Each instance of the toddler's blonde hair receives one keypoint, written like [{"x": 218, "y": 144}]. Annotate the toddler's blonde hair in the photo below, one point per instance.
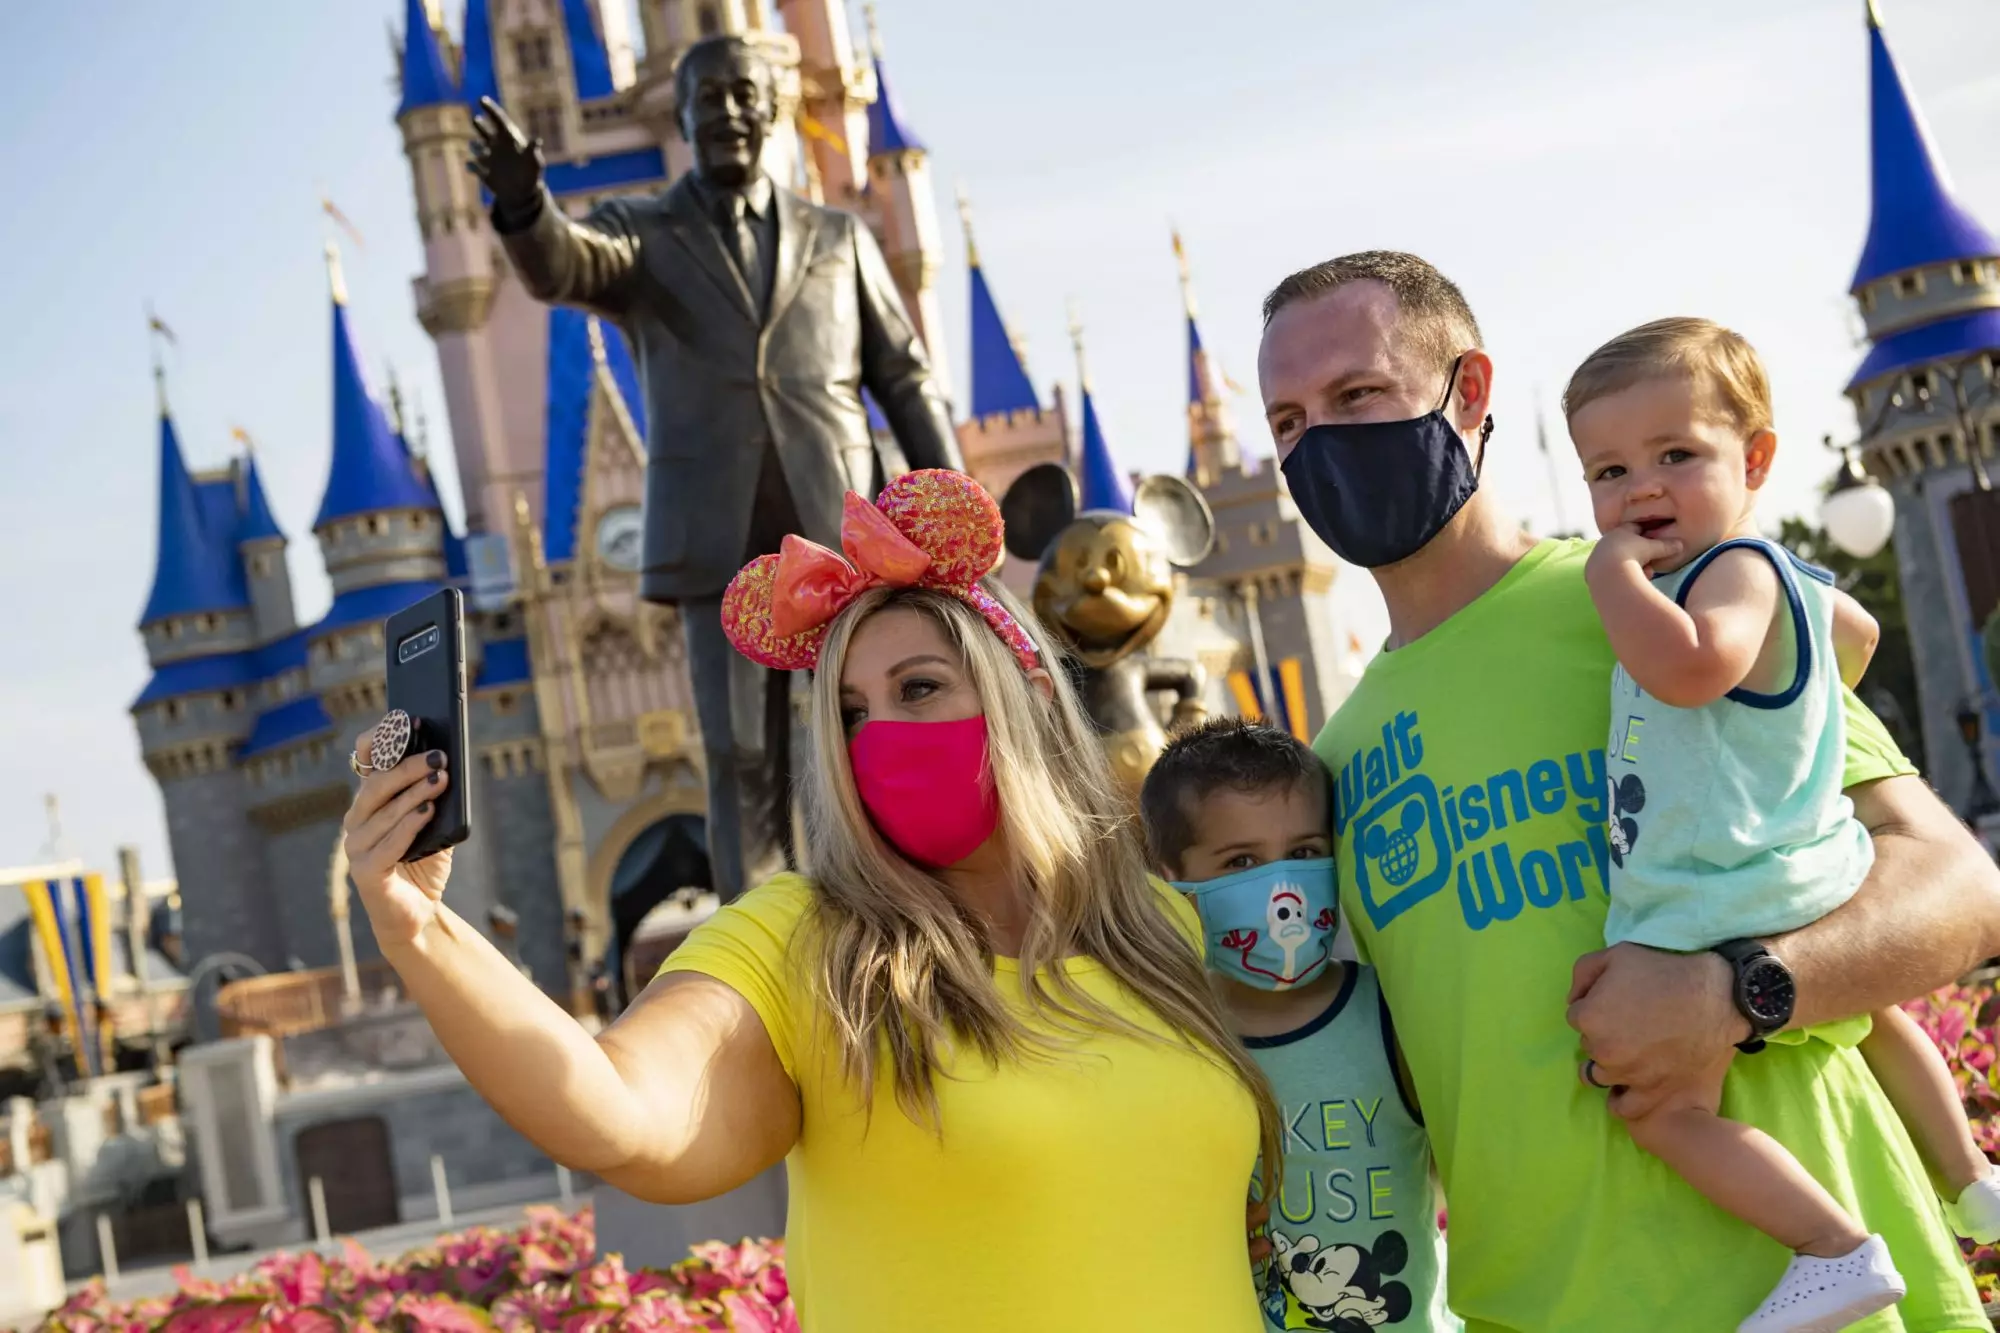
[{"x": 1720, "y": 361}]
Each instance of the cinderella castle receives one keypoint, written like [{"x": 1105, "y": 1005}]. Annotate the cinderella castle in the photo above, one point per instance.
[{"x": 587, "y": 795}]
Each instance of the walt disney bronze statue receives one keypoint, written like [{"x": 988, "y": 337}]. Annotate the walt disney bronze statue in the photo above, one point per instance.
[{"x": 757, "y": 318}]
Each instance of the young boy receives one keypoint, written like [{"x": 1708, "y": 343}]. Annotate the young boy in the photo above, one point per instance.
[
  {"x": 1237, "y": 816},
  {"x": 1728, "y": 825}
]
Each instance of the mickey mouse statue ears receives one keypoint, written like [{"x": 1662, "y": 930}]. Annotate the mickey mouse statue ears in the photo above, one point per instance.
[{"x": 1044, "y": 500}]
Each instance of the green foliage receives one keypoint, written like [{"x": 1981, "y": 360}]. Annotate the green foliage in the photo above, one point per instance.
[{"x": 1890, "y": 687}]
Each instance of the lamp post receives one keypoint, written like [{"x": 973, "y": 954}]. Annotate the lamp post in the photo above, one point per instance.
[{"x": 1858, "y": 513}]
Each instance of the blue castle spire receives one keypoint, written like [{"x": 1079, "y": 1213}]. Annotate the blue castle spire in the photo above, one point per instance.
[
  {"x": 886, "y": 131},
  {"x": 426, "y": 80},
  {"x": 259, "y": 523},
  {"x": 588, "y": 58},
  {"x": 192, "y": 567},
  {"x": 371, "y": 470},
  {"x": 1000, "y": 383},
  {"x": 1102, "y": 484},
  {"x": 1915, "y": 220},
  {"x": 477, "y": 78}
]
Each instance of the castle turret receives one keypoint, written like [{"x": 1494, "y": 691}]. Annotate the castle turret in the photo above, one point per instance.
[
  {"x": 1212, "y": 448},
  {"x": 1928, "y": 400},
  {"x": 196, "y": 710},
  {"x": 833, "y": 99},
  {"x": 1007, "y": 430},
  {"x": 260, "y": 544},
  {"x": 379, "y": 528},
  {"x": 899, "y": 183}
]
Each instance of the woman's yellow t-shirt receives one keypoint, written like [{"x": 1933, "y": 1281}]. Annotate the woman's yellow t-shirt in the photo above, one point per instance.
[{"x": 1100, "y": 1189}]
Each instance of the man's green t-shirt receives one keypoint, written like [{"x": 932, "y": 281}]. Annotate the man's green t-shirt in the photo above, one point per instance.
[{"x": 1469, "y": 809}]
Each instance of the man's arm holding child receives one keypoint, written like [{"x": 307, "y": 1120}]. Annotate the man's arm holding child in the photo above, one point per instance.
[{"x": 1928, "y": 912}]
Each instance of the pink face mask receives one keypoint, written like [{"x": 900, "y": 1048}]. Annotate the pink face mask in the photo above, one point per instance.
[{"x": 927, "y": 786}]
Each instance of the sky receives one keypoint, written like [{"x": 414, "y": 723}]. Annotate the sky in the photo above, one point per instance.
[{"x": 1577, "y": 167}]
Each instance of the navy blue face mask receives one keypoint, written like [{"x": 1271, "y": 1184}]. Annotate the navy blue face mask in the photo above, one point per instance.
[{"x": 1378, "y": 491}]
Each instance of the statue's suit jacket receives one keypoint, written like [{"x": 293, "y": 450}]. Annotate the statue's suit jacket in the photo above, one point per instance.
[{"x": 723, "y": 386}]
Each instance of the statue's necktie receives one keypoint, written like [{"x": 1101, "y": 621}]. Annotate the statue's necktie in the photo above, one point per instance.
[{"x": 741, "y": 236}]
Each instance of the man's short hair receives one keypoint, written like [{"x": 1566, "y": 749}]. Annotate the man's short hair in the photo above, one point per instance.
[
  {"x": 1719, "y": 361},
  {"x": 1433, "y": 310},
  {"x": 705, "y": 50},
  {"x": 1224, "y": 752}
]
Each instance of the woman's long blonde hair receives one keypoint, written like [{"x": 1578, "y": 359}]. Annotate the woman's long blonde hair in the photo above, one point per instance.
[{"x": 899, "y": 964}]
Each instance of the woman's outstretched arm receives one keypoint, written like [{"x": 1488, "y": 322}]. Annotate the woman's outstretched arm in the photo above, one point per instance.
[{"x": 681, "y": 1099}]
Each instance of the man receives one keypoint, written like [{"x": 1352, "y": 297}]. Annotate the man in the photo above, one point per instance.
[
  {"x": 1470, "y": 813},
  {"x": 757, "y": 319}
]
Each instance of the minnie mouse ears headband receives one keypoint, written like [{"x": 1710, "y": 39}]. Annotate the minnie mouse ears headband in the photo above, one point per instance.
[{"x": 933, "y": 529}]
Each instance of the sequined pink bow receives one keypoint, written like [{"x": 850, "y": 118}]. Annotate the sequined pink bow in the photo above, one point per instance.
[
  {"x": 934, "y": 529},
  {"x": 813, "y": 584}
]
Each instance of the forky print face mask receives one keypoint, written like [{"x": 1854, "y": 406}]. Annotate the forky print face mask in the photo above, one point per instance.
[{"x": 1270, "y": 926}]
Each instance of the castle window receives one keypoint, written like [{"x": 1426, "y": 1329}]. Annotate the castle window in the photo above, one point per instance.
[
  {"x": 1920, "y": 384},
  {"x": 1867, "y": 300},
  {"x": 173, "y": 710},
  {"x": 1965, "y": 275},
  {"x": 377, "y": 525},
  {"x": 707, "y": 21},
  {"x": 172, "y": 629},
  {"x": 532, "y": 53},
  {"x": 1910, "y": 284},
  {"x": 204, "y": 624},
  {"x": 229, "y": 701},
  {"x": 545, "y": 122},
  {"x": 504, "y": 702},
  {"x": 419, "y": 521}
]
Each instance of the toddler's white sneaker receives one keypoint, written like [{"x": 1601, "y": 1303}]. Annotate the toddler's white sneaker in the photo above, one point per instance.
[
  {"x": 1975, "y": 1214},
  {"x": 1824, "y": 1295}
]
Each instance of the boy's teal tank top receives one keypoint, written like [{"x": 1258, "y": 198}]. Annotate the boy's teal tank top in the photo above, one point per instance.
[
  {"x": 1727, "y": 821},
  {"x": 1354, "y": 1234}
]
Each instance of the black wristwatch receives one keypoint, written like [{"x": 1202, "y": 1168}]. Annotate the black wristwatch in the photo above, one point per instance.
[{"x": 1764, "y": 991}]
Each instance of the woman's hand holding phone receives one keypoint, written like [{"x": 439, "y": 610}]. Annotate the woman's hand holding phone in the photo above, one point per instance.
[{"x": 401, "y": 897}]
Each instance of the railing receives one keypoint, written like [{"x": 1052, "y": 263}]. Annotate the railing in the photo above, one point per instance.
[{"x": 283, "y": 1003}]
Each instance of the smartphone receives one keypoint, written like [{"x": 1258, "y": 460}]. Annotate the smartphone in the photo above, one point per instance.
[{"x": 426, "y": 645}]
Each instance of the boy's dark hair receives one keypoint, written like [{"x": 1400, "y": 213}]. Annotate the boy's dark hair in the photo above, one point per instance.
[{"x": 1224, "y": 752}]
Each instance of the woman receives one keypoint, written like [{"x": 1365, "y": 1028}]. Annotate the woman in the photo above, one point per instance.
[{"x": 975, "y": 1030}]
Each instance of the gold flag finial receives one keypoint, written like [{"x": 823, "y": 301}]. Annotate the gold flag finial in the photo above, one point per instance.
[
  {"x": 874, "y": 31},
  {"x": 334, "y": 281},
  {"x": 1874, "y": 16},
  {"x": 965, "y": 221},
  {"x": 1187, "y": 275}
]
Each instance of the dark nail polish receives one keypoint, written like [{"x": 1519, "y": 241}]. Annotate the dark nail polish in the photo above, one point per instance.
[
  {"x": 424, "y": 809},
  {"x": 434, "y": 779},
  {"x": 435, "y": 758}
]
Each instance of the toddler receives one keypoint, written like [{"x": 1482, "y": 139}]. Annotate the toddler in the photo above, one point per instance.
[
  {"x": 1728, "y": 825},
  {"x": 1238, "y": 816}
]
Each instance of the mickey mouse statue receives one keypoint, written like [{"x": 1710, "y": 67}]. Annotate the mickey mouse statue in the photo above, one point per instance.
[{"x": 1105, "y": 584}]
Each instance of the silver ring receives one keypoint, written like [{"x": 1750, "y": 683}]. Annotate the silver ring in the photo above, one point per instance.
[
  {"x": 1590, "y": 1075},
  {"x": 390, "y": 742},
  {"x": 361, "y": 770}
]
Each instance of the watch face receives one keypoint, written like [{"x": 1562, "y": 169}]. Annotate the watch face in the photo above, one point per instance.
[
  {"x": 1768, "y": 992},
  {"x": 621, "y": 537}
]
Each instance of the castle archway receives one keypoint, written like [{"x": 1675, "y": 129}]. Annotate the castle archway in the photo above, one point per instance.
[{"x": 655, "y": 850}]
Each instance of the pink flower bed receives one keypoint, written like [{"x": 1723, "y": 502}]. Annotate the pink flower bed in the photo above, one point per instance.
[
  {"x": 1961, "y": 1020},
  {"x": 546, "y": 1277}
]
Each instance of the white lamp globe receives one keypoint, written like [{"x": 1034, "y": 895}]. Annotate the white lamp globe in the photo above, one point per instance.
[{"x": 1858, "y": 513}]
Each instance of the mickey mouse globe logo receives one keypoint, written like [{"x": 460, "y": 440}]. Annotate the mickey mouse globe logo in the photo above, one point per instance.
[{"x": 1396, "y": 850}]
